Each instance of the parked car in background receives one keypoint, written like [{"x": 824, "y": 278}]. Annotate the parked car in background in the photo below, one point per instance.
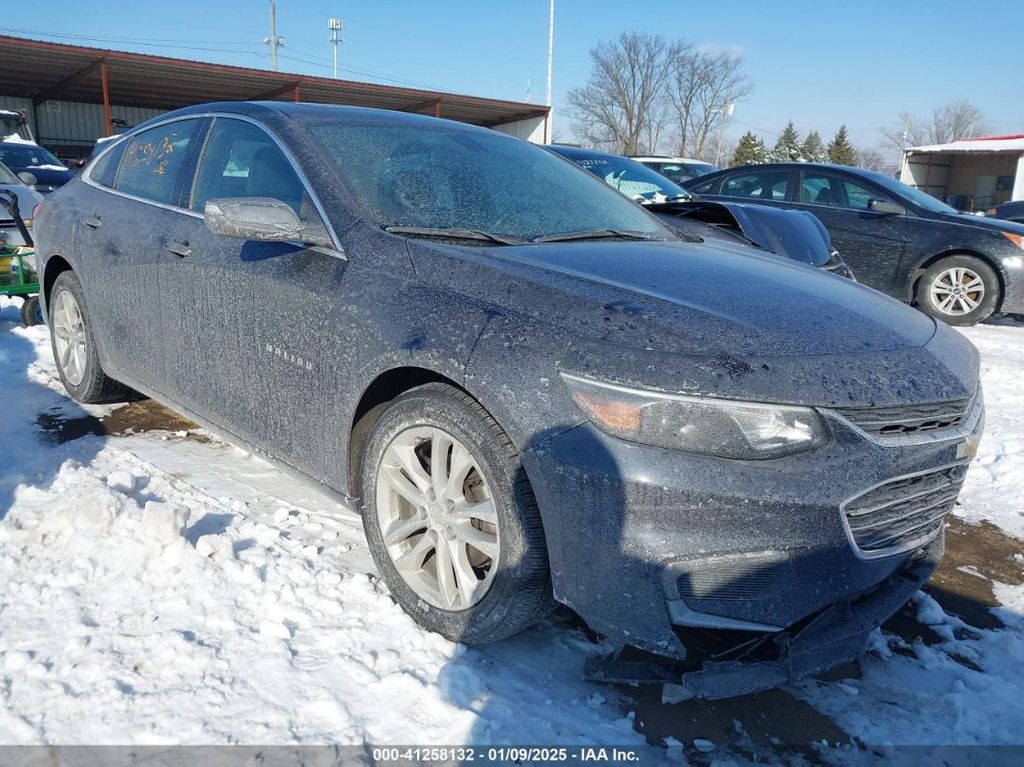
[
  {"x": 10, "y": 233},
  {"x": 906, "y": 243},
  {"x": 44, "y": 171},
  {"x": 678, "y": 169},
  {"x": 533, "y": 389},
  {"x": 1008, "y": 211},
  {"x": 792, "y": 234}
]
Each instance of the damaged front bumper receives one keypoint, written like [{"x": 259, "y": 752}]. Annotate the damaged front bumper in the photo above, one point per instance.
[{"x": 656, "y": 549}]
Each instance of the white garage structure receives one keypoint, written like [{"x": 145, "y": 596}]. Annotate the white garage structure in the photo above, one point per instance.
[
  {"x": 71, "y": 95},
  {"x": 971, "y": 175}
]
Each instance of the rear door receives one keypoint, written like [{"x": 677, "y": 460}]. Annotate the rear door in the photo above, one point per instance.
[
  {"x": 768, "y": 186},
  {"x": 871, "y": 243},
  {"x": 249, "y": 317},
  {"x": 123, "y": 214}
]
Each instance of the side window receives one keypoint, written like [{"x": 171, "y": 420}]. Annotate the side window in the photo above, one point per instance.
[
  {"x": 105, "y": 169},
  {"x": 241, "y": 160},
  {"x": 835, "y": 191},
  {"x": 154, "y": 160},
  {"x": 763, "y": 185},
  {"x": 706, "y": 187}
]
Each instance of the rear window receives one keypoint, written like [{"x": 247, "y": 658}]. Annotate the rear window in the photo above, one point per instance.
[
  {"x": 104, "y": 171},
  {"x": 154, "y": 160}
]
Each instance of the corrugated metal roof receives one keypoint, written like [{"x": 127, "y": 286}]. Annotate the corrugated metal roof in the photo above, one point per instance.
[{"x": 43, "y": 70}]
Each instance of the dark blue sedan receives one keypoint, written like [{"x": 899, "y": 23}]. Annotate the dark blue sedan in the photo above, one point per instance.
[{"x": 533, "y": 390}]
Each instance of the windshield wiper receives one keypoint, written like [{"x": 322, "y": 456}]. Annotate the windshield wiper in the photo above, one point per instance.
[
  {"x": 594, "y": 234},
  {"x": 454, "y": 234}
]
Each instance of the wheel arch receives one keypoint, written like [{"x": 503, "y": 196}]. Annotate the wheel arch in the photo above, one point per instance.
[
  {"x": 388, "y": 385},
  {"x": 55, "y": 265},
  {"x": 926, "y": 264}
]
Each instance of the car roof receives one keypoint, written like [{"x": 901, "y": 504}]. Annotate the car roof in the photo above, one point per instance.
[
  {"x": 661, "y": 157},
  {"x": 302, "y": 110},
  {"x": 574, "y": 151}
]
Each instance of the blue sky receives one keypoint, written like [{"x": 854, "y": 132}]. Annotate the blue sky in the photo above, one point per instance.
[{"x": 817, "y": 62}]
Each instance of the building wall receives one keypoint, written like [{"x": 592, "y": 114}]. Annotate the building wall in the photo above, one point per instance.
[
  {"x": 969, "y": 180},
  {"x": 531, "y": 129},
  {"x": 57, "y": 124},
  {"x": 71, "y": 124}
]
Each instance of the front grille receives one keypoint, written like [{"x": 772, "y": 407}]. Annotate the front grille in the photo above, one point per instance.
[
  {"x": 907, "y": 419},
  {"x": 904, "y": 513}
]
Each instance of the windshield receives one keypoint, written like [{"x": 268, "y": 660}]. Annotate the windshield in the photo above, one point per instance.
[
  {"x": 633, "y": 179},
  {"x": 916, "y": 196},
  {"x": 28, "y": 156},
  {"x": 429, "y": 176}
]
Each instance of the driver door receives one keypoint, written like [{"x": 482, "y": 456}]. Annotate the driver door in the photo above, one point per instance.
[{"x": 247, "y": 315}]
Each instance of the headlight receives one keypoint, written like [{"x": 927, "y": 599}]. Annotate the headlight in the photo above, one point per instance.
[
  {"x": 726, "y": 428},
  {"x": 1016, "y": 239}
]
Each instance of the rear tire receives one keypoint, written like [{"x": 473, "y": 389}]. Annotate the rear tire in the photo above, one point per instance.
[
  {"x": 959, "y": 290},
  {"x": 509, "y": 580},
  {"x": 74, "y": 345}
]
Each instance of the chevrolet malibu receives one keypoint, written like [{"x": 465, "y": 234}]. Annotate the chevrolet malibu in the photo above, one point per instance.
[{"x": 532, "y": 390}]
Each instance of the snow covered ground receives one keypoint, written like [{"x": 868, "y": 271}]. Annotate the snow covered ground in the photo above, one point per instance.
[{"x": 165, "y": 587}]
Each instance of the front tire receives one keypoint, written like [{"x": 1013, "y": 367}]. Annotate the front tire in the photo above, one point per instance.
[
  {"x": 74, "y": 345},
  {"x": 959, "y": 290},
  {"x": 451, "y": 519}
]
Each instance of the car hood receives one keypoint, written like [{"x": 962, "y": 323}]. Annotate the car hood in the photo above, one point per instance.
[
  {"x": 27, "y": 200},
  {"x": 713, "y": 297},
  {"x": 982, "y": 222},
  {"x": 48, "y": 177},
  {"x": 794, "y": 234},
  {"x": 713, "y": 318}
]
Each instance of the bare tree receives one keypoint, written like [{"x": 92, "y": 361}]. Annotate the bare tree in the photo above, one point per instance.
[
  {"x": 951, "y": 122},
  {"x": 872, "y": 159},
  {"x": 701, "y": 86},
  {"x": 618, "y": 107}
]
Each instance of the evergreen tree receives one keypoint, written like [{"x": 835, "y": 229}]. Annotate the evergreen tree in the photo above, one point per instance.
[
  {"x": 787, "y": 148},
  {"x": 841, "y": 151},
  {"x": 813, "y": 149},
  {"x": 749, "y": 151}
]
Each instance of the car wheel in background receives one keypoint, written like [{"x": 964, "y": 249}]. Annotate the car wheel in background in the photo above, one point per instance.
[
  {"x": 31, "y": 311},
  {"x": 451, "y": 519},
  {"x": 959, "y": 290},
  {"x": 74, "y": 345}
]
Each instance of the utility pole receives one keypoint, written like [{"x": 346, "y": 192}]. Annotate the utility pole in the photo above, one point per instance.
[
  {"x": 551, "y": 51},
  {"x": 726, "y": 113},
  {"x": 273, "y": 41},
  {"x": 334, "y": 25}
]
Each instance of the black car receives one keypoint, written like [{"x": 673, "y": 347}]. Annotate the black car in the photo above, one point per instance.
[
  {"x": 533, "y": 390},
  {"x": 906, "y": 243},
  {"x": 1008, "y": 211},
  {"x": 792, "y": 234},
  {"x": 38, "y": 167}
]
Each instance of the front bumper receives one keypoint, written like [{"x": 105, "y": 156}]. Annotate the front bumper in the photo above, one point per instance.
[
  {"x": 1013, "y": 284},
  {"x": 646, "y": 543}
]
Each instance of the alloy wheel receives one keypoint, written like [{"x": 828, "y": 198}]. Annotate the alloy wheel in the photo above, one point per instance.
[
  {"x": 957, "y": 291},
  {"x": 70, "y": 338},
  {"x": 437, "y": 518}
]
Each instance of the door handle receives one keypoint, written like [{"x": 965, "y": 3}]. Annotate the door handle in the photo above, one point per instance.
[
  {"x": 93, "y": 222},
  {"x": 179, "y": 248}
]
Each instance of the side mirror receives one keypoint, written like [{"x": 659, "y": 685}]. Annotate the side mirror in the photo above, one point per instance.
[
  {"x": 28, "y": 178},
  {"x": 261, "y": 218},
  {"x": 886, "y": 207}
]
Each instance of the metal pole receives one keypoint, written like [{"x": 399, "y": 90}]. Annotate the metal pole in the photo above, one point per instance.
[
  {"x": 106, "y": 99},
  {"x": 334, "y": 25},
  {"x": 551, "y": 50},
  {"x": 273, "y": 35}
]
